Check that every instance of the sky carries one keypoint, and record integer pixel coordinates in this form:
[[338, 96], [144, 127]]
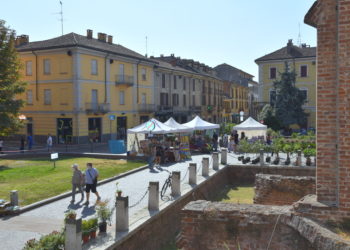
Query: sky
[[235, 32]]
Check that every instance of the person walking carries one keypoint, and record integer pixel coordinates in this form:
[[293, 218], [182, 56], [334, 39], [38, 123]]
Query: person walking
[[151, 153], [91, 175], [77, 182], [49, 143], [30, 141], [22, 145], [236, 141], [215, 142]]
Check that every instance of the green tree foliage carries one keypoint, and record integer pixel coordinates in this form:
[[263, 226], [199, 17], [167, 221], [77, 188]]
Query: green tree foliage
[[10, 84], [289, 100], [267, 115]]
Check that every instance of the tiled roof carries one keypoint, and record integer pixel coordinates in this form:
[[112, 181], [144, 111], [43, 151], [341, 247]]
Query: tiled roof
[[73, 39], [231, 74], [289, 52]]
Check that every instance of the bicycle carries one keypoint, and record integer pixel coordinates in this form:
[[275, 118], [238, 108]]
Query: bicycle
[[166, 185]]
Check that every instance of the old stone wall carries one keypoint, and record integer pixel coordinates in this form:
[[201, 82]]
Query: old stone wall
[[282, 190], [207, 225]]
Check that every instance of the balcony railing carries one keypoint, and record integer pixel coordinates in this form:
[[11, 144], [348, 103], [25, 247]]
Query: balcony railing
[[124, 80], [146, 108], [93, 107]]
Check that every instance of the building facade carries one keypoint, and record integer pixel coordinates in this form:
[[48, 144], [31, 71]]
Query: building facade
[[301, 59], [80, 87]]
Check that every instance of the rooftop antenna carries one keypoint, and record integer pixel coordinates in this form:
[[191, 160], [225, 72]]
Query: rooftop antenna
[[146, 47], [299, 37], [61, 13]]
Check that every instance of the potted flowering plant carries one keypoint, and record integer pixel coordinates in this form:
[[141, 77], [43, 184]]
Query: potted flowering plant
[[104, 214], [118, 191], [93, 223], [70, 215], [85, 227]]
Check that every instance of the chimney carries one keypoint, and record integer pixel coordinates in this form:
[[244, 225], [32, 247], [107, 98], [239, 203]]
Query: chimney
[[89, 34], [161, 55], [101, 36], [289, 45], [172, 55], [22, 39], [110, 39]]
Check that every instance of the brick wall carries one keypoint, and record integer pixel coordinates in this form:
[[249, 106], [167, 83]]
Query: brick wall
[[282, 190]]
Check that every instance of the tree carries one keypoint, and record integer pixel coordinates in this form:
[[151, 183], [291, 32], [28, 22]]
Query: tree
[[289, 100], [267, 115], [10, 83]]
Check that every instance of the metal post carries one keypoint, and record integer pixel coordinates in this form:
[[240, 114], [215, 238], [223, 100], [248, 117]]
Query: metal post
[[14, 198], [261, 157], [215, 160], [175, 183], [153, 197], [192, 169], [224, 156], [73, 234], [205, 166], [122, 214]]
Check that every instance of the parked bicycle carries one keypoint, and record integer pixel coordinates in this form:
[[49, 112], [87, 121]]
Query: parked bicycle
[[166, 185]]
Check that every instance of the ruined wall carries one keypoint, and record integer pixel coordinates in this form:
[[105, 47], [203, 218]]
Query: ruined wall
[[282, 190], [207, 225]]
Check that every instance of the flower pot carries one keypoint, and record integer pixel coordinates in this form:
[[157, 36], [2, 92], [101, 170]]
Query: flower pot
[[119, 193], [103, 227], [308, 161], [92, 234], [86, 238]]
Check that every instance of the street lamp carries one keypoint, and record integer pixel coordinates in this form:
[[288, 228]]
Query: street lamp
[[22, 117], [241, 115]]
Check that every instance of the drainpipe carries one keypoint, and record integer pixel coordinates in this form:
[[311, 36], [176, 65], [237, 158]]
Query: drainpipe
[[106, 77], [337, 103], [137, 82], [36, 77]]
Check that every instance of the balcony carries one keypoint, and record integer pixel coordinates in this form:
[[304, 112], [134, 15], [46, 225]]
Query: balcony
[[97, 108], [164, 110], [196, 109], [146, 108], [124, 80]]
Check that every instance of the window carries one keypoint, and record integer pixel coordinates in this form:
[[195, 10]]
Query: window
[[63, 67], [204, 100], [47, 67], [272, 97], [304, 93], [29, 68], [121, 97], [163, 81], [94, 98], [121, 72], [193, 100], [47, 96], [273, 73], [175, 82], [144, 73], [175, 99], [184, 100], [193, 85], [164, 99], [94, 66], [143, 98], [303, 71], [184, 83], [29, 97]]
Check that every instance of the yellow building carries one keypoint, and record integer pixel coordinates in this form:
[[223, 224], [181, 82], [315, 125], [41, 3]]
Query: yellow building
[[82, 89], [303, 60]]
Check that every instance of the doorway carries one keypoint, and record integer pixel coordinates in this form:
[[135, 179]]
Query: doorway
[[95, 125], [64, 130], [121, 128]]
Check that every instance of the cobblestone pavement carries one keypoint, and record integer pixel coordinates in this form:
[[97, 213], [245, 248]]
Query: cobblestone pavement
[[15, 231]]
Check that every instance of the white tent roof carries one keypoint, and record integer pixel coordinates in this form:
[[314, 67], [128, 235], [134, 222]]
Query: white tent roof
[[177, 126], [153, 126], [198, 124], [250, 124]]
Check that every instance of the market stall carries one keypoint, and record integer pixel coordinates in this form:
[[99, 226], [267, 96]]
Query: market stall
[[251, 128], [200, 141]]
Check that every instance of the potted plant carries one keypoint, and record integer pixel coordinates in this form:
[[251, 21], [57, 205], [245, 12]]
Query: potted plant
[[70, 215], [104, 214], [118, 191], [308, 153], [288, 149], [85, 228], [93, 223]]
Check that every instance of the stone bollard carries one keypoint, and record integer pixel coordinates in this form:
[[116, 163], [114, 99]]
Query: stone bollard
[[73, 234], [14, 198], [215, 160], [122, 214], [261, 157], [205, 166], [192, 174], [175, 183], [224, 156], [153, 197], [298, 162]]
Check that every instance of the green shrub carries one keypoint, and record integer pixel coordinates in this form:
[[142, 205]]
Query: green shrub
[[52, 241]]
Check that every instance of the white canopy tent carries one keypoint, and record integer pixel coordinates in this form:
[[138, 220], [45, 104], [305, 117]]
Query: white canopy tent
[[198, 124], [251, 128], [177, 126], [153, 126]]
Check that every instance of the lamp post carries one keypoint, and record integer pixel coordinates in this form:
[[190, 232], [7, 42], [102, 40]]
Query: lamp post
[[241, 115]]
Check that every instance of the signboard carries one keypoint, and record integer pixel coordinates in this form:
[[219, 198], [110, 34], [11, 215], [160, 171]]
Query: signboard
[[54, 156], [150, 125], [112, 117]]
